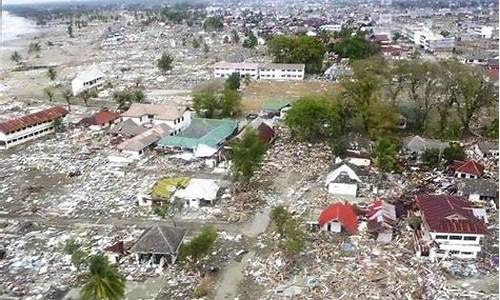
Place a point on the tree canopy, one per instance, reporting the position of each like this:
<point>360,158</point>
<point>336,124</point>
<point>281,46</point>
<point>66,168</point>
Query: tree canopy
<point>214,23</point>
<point>298,49</point>
<point>215,102</point>
<point>247,155</point>
<point>102,280</point>
<point>164,63</point>
<point>354,47</point>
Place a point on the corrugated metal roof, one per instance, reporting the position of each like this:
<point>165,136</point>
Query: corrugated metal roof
<point>449,214</point>
<point>275,105</point>
<point>343,213</point>
<point>33,119</point>
<point>217,131</point>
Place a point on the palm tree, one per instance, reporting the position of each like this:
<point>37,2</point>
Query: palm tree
<point>66,94</point>
<point>102,281</point>
<point>85,96</point>
<point>15,57</point>
<point>51,73</point>
<point>49,93</point>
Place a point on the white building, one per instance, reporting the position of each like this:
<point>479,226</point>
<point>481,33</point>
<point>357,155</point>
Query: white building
<point>148,115</point>
<point>331,27</point>
<point>428,40</point>
<point>26,128</point>
<point>86,80</point>
<point>198,192</point>
<point>261,71</point>
<point>343,180</point>
<point>481,31</point>
<point>449,228</point>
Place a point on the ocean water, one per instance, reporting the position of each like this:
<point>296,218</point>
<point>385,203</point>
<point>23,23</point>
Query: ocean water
<point>12,26</point>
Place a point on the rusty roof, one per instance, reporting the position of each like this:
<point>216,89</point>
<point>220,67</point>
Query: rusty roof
<point>449,214</point>
<point>32,119</point>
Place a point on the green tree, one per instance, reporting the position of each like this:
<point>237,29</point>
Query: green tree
<point>102,281</point>
<point>454,152</point>
<point>445,33</point>
<point>430,157</point>
<point>294,237</point>
<point>58,124</point>
<point>384,154</point>
<point>298,49</point>
<point>215,102</point>
<point>355,47</point>
<point>126,97</point>
<point>70,31</point>
<point>313,119</point>
<point>164,63</point>
<point>15,57</point>
<point>196,43</point>
<point>247,155</point>
<point>214,23</point>
<point>235,38</point>
<point>51,73</point>
<point>49,93</point>
<point>70,246</point>
<point>491,131</point>
<point>233,81</point>
<point>279,216</point>
<point>199,245</point>
<point>250,41</point>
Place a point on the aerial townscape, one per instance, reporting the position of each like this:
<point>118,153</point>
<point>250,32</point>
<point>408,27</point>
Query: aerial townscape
<point>270,149</point>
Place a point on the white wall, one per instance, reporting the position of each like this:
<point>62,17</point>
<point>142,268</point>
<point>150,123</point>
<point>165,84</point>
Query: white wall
<point>344,189</point>
<point>79,86</point>
<point>464,175</point>
<point>457,248</point>
<point>26,134</point>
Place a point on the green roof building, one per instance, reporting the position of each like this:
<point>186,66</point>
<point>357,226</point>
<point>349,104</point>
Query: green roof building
<point>274,106</point>
<point>202,134</point>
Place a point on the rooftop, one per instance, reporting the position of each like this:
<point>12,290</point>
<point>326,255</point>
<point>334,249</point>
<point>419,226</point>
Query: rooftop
<point>160,111</point>
<point>33,119</point>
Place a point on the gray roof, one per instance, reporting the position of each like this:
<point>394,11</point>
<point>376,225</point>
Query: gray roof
<point>483,187</point>
<point>159,240</point>
<point>419,144</point>
<point>485,147</point>
<point>128,128</point>
<point>145,139</point>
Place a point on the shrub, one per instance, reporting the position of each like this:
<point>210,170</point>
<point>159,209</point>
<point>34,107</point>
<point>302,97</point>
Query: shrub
<point>199,245</point>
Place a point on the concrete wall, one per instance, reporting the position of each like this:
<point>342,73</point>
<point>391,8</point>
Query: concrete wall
<point>26,134</point>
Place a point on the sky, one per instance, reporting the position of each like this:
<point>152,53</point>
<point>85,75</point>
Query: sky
<point>34,1</point>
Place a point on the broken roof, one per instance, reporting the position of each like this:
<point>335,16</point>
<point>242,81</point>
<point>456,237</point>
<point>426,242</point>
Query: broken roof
<point>146,138</point>
<point>159,240</point>
<point>483,187</point>
<point>118,247</point>
<point>165,187</point>
<point>344,213</point>
<point>275,105</point>
<point>128,128</point>
<point>449,214</point>
<point>160,111</point>
<point>419,144</point>
<point>199,189</point>
<point>486,146</point>
<point>32,119</point>
<point>381,215</point>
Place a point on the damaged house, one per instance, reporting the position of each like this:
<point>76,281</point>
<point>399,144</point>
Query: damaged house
<point>26,128</point>
<point>264,131</point>
<point>91,79</point>
<point>159,244</point>
<point>478,190</point>
<point>417,145</point>
<point>136,147</point>
<point>450,227</point>
<point>343,181</point>
<point>467,169</point>
<point>198,192</point>
<point>148,115</point>
<point>381,220</point>
<point>100,120</point>
<point>487,149</point>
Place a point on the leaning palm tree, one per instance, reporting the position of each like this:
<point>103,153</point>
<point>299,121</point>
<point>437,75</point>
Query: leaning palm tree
<point>102,281</point>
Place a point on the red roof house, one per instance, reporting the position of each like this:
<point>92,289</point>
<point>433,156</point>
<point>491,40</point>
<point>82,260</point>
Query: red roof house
<point>266,133</point>
<point>101,118</point>
<point>47,115</point>
<point>467,169</point>
<point>449,214</point>
<point>343,213</point>
<point>118,248</point>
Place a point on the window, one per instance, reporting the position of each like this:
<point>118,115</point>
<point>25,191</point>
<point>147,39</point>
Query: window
<point>469,238</point>
<point>466,253</point>
<point>456,237</point>
<point>462,175</point>
<point>441,237</point>
<point>454,252</point>
<point>441,251</point>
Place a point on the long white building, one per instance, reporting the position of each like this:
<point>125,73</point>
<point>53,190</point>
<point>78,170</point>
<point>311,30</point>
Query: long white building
<point>90,79</point>
<point>427,39</point>
<point>269,71</point>
<point>20,130</point>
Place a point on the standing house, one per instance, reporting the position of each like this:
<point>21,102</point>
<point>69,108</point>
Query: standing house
<point>87,80</point>
<point>100,120</point>
<point>135,147</point>
<point>337,216</point>
<point>159,243</point>
<point>487,149</point>
<point>260,70</point>
<point>198,192</point>
<point>203,137</point>
<point>467,169</point>
<point>343,180</point>
<point>381,220</point>
<point>177,118</point>
<point>449,226</point>
<point>26,128</point>
<point>478,190</point>
<point>161,192</point>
